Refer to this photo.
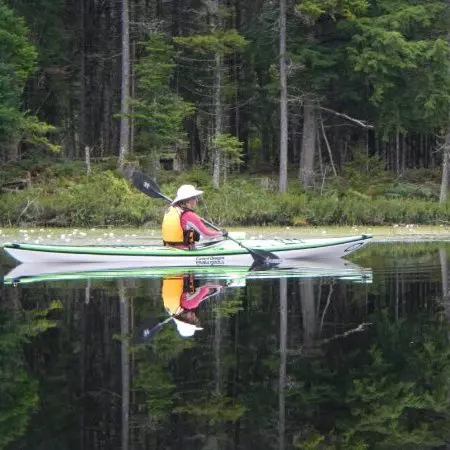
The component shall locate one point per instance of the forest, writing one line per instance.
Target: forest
(317, 99)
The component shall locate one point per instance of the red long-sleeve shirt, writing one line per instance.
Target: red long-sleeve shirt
(192, 301)
(190, 220)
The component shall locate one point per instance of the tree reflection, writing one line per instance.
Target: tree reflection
(388, 388)
(19, 394)
(279, 364)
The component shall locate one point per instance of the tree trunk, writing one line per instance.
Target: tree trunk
(445, 169)
(125, 86)
(306, 172)
(218, 123)
(283, 101)
(10, 149)
(82, 124)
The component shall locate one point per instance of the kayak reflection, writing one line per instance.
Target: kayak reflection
(44, 272)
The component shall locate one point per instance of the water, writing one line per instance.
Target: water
(343, 357)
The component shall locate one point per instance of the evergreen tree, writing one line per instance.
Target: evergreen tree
(158, 112)
(17, 61)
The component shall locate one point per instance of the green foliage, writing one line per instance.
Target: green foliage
(66, 197)
(16, 52)
(427, 191)
(366, 174)
(222, 42)
(230, 146)
(36, 133)
(17, 61)
(402, 51)
(216, 409)
(157, 111)
(101, 198)
(333, 8)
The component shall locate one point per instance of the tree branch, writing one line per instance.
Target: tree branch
(345, 116)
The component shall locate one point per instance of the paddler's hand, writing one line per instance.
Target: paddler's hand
(224, 233)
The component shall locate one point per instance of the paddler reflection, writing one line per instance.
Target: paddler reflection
(182, 296)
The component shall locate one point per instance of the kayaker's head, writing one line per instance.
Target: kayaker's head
(187, 196)
(187, 323)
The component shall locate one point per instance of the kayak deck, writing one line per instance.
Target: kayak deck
(224, 252)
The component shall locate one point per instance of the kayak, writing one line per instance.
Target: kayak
(221, 253)
(218, 253)
(51, 272)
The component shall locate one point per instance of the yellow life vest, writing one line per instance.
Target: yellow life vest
(172, 290)
(172, 233)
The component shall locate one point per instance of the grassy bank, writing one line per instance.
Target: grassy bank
(64, 196)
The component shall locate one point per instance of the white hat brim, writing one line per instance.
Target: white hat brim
(193, 194)
(186, 329)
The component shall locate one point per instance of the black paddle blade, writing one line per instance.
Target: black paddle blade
(263, 257)
(147, 185)
(145, 333)
(257, 266)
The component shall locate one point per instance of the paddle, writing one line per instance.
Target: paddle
(146, 333)
(150, 188)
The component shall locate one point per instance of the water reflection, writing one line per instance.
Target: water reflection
(182, 296)
(306, 360)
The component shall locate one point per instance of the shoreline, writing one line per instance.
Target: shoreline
(112, 235)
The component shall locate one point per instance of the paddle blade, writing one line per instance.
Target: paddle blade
(145, 333)
(261, 257)
(264, 258)
(265, 264)
(146, 185)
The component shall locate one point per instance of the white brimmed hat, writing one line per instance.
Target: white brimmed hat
(185, 192)
(186, 329)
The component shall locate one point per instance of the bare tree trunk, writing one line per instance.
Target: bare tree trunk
(218, 110)
(325, 138)
(125, 86)
(132, 92)
(218, 119)
(306, 172)
(283, 101)
(82, 124)
(445, 168)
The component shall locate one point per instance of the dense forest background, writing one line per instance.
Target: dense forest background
(296, 89)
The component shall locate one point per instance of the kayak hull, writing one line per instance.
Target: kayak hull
(224, 253)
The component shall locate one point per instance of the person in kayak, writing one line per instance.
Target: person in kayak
(181, 226)
(181, 299)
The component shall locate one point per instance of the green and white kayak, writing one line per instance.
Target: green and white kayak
(52, 272)
(222, 253)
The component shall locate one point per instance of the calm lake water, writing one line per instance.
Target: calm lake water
(335, 357)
